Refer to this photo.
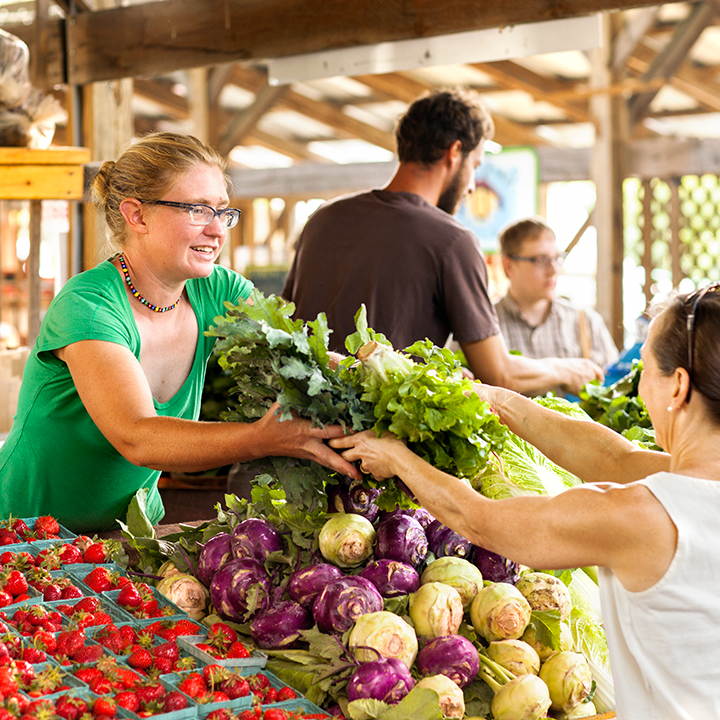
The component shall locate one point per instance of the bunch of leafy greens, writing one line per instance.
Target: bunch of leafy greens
(431, 404)
(620, 407)
(272, 357)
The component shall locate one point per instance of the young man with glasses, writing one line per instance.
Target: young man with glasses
(533, 319)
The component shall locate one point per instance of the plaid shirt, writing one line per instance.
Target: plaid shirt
(558, 335)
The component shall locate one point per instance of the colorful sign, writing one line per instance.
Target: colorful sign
(506, 190)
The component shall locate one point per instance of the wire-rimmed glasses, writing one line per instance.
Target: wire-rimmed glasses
(201, 214)
(542, 261)
(692, 301)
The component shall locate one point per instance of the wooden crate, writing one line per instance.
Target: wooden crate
(52, 174)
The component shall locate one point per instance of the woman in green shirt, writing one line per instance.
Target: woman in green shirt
(111, 391)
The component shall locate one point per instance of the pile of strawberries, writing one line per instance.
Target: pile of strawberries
(222, 643)
(16, 530)
(215, 683)
(129, 689)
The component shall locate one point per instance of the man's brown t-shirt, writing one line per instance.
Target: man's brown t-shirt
(419, 272)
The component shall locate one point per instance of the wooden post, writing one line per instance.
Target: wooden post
(33, 272)
(647, 234)
(675, 245)
(608, 170)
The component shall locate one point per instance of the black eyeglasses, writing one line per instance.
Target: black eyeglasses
(201, 214)
(692, 301)
(542, 261)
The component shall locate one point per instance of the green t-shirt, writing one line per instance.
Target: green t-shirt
(55, 461)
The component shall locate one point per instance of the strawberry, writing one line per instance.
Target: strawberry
(174, 700)
(8, 681)
(52, 592)
(148, 693)
(194, 685)
(286, 693)
(163, 665)
(48, 558)
(46, 527)
(221, 635)
(45, 640)
(87, 604)
(129, 597)
(269, 696)
(87, 674)
(15, 583)
(6, 598)
(21, 528)
(275, 714)
(71, 592)
(95, 553)
(69, 707)
(140, 658)
(101, 685)
(88, 654)
(214, 674)
(128, 700)
(221, 714)
(126, 677)
(33, 655)
(105, 706)
(100, 579)
(8, 536)
(70, 554)
(69, 643)
(235, 686)
(169, 650)
(237, 650)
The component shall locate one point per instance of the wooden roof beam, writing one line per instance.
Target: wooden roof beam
(673, 54)
(154, 37)
(245, 120)
(407, 89)
(509, 75)
(699, 83)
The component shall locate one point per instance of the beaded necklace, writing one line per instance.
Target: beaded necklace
(137, 295)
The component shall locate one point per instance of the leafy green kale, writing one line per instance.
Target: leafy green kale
(620, 407)
(420, 394)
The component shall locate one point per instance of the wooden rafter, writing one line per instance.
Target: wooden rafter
(673, 54)
(507, 132)
(511, 76)
(699, 83)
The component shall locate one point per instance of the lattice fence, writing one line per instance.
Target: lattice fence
(672, 232)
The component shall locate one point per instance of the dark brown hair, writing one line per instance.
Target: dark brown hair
(435, 121)
(670, 345)
(513, 235)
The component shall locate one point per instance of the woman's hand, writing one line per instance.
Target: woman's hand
(298, 438)
(378, 455)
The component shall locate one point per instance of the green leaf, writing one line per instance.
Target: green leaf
(137, 519)
(546, 624)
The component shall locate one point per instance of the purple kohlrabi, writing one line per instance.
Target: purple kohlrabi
(401, 537)
(255, 538)
(391, 577)
(443, 541)
(307, 582)
(343, 601)
(353, 497)
(240, 588)
(280, 625)
(451, 655)
(385, 679)
(494, 567)
(214, 554)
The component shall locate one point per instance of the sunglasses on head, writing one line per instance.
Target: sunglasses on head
(691, 302)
